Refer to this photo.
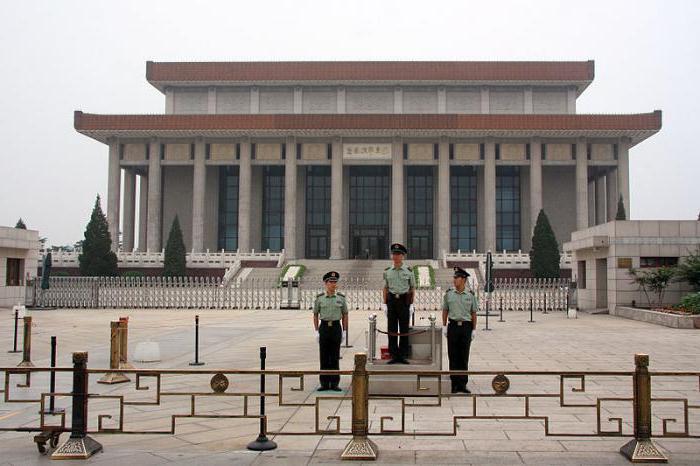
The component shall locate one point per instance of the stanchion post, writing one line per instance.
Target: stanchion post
(500, 309)
(360, 446)
(79, 445)
(52, 381)
(372, 337)
(488, 308)
(531, 320)
(196, 361)
(347, 335)
(544, 308)
(262, 443)
(27, 344)
(642, 449)
(14, 344)
(114, 356)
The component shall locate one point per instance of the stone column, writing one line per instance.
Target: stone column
(199, 183)
(154, 197)
(600, 194)
(298, 102)
(611, 189)
(254, 100)
(340, 100)
(581, 185)
(398, 205)
(535, 182)
(129, 218)
(169, 100)
(571, 100)
(337, 217)
(623, 173)
(443, 213)
(441, 100)
(211, 100)
(485, 100)
(113, 193)
(245, 173)
(490, 196)
(527, 101)
(290, 199)
(143, 212)
(398, 100)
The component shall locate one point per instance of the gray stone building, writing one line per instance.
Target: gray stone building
(339, 159)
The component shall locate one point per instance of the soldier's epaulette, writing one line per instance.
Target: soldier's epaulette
(388, 268)
(449, 289)
(409, 268)
(339, 294)
(320, 294)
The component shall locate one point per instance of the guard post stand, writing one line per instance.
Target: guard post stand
(290, 296)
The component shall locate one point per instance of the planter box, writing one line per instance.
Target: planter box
(658, 318)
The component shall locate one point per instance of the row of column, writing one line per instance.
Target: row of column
(150, 201)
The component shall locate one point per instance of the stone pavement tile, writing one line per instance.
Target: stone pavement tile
(467, 457)
(513, 445)
(596, 444)
(384, 457)
(574, 458)
(685, 445)
(283, 457)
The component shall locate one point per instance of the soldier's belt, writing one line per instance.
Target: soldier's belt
(397, 295)
(330, 323)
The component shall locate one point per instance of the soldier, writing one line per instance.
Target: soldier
(459, 306)
(330, 308)
(399, 289)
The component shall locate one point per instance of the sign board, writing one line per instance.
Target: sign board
(380, 151)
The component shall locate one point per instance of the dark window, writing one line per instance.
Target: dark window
(581, 275)
(369, 212)
(452, 151)
(462, 208)
(419, 185)
(543, 151)
(498, 151)
(527, 151)
(228, 208)
(405, 151)
(14, 272)
(508, 208)
(273, 208)
(318, 211)
(647, 262)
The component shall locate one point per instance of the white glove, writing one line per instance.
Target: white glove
(411, 309)
(444, 331)
(473, 334)
(384, 309)
(345, 335)
(318, 336)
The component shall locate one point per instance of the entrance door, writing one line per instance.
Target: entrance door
(369, 212)
(419, 190)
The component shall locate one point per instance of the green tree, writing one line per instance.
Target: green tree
(544, 255)
(97, 258)
(174, 260)
(688, 270)
(653, 281)
(20, 224)
(621, 213)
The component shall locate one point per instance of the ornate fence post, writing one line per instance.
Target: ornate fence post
(642, 449)
(79, 445)
(114, 356)
(360, 447)
(27, 344)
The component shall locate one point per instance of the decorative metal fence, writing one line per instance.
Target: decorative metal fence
(266, 293)
(602, 403)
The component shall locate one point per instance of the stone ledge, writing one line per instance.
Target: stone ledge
(658, 318)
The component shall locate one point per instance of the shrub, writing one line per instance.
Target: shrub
(653, 281)
(174, 257)
(689, 270)
(97, 258)
(691, 303)
(544, 255)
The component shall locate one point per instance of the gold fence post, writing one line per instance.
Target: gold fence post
(360, 447)
(642, 449)
(124, 344)
(114, 356)
(27, 344)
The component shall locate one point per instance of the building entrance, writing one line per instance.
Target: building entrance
(369, 212)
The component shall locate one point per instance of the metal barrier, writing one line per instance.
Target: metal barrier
(573, 392)
(259, 293)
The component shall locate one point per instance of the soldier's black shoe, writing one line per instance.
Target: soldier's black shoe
(464, 390)
(323, 388)
(403, 361)
(394, 361)
(336, 389)
(455, 390)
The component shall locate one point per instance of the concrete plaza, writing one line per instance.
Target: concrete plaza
(230, 339)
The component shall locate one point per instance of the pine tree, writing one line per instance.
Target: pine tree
(174, 260)
(544, 255)
(97, 258)
(621, 214)
(20, 224)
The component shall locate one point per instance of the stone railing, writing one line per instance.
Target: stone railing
(504, 260)
(139, 259)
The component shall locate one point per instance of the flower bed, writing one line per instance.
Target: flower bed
(659, 317)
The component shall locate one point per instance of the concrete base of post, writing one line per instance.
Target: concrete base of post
(643, 451)
(262, 443)
(360, 449)
(113, 377)
(77, 449)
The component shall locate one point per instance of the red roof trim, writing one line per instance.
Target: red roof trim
(370, 71)
(95, 122)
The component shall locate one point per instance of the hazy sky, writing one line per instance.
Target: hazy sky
(59, 56)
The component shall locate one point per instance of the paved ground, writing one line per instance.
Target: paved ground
(230, 339)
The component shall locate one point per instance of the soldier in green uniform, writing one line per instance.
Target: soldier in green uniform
(330, 322)
(399, 290)
(459, 307)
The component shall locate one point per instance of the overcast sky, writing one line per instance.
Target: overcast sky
(61, 56)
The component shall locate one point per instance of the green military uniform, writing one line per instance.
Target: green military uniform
(398, 281)
(330, 310)
(459, 305)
